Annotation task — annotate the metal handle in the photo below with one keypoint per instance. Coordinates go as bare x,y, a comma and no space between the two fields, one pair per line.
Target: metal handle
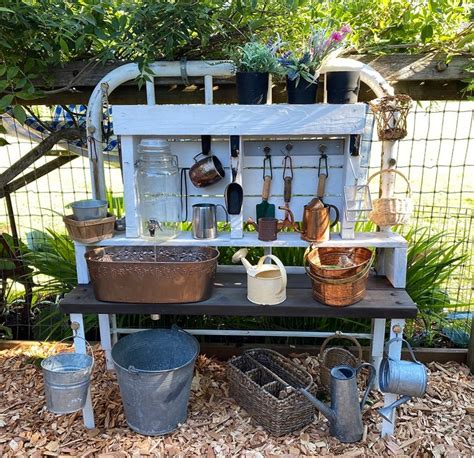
410,349
336,210
88,345
369,383
225,211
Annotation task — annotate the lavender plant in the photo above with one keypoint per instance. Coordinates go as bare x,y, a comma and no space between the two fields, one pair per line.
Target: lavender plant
259,57
306,61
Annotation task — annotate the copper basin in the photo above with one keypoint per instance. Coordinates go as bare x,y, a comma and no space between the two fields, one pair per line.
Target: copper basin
152,275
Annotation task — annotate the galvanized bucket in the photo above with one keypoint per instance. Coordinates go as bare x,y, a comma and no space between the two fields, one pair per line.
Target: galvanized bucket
66,380
408,378
154,372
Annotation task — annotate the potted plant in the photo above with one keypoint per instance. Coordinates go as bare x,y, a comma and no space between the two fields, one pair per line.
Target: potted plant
302,66
255,61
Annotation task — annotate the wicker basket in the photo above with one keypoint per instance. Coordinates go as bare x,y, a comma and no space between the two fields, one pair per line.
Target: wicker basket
391,114
391,211
90,231
338,275
262,381
335,356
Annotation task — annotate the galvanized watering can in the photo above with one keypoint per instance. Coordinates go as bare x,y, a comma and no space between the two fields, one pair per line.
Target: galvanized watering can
66,379
407,378
345,413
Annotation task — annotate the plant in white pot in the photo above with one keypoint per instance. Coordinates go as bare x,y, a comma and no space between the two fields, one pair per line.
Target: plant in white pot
255,61
302,66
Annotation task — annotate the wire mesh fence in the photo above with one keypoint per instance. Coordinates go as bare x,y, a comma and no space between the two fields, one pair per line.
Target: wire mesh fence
437,156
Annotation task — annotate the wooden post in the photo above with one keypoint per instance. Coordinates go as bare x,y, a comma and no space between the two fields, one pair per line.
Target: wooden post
470,350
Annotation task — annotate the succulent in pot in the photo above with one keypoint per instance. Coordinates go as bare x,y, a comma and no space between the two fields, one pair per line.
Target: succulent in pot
302,66
255,61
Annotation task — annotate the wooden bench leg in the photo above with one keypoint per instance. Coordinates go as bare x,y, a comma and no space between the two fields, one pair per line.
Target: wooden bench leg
105,342
80,347
395,352
378,341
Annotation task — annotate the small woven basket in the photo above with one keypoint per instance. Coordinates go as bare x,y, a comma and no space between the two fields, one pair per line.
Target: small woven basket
262,382
391,211
90,231
391,112
333,284
335,356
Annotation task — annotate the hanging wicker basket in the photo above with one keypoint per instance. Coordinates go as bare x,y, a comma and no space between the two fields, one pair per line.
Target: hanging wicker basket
335,356
90,231
391,211
391,112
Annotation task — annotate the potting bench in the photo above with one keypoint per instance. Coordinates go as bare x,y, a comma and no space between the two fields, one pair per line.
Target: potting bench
311,129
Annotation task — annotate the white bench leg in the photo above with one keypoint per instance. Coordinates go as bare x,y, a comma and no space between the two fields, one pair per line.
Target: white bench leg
104,327
395,352
80,347
378,341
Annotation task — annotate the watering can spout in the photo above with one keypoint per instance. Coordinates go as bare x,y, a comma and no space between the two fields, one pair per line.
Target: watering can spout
329,413
387,412
240,256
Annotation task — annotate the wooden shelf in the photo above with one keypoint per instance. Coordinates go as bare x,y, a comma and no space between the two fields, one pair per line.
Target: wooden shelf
278,119
229,299
250,239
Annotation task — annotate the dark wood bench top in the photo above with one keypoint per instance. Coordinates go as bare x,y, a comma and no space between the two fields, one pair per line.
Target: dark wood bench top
230,299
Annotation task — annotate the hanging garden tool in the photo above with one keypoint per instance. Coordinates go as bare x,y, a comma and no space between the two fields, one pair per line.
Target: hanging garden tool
287,183
234,194
264,209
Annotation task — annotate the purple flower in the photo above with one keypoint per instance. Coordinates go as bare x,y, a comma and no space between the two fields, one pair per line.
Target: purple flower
345,29
336,36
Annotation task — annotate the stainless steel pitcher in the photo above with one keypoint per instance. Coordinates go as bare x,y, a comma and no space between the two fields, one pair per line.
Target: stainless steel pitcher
345,413
205,220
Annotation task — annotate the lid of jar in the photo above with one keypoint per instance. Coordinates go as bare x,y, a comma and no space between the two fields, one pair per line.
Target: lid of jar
154,143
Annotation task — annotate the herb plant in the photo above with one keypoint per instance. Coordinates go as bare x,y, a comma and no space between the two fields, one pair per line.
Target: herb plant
307,61
258,57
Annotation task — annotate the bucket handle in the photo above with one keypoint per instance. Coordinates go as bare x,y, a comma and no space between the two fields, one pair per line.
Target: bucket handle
410,349
280,266
75,336
337,281
381,172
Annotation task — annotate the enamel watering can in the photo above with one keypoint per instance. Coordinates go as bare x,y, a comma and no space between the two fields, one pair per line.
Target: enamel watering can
345,413
266,283
407,378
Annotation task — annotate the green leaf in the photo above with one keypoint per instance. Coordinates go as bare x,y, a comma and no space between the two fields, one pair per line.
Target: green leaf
426,32
6,100
12,72
3,141
19,113
63,45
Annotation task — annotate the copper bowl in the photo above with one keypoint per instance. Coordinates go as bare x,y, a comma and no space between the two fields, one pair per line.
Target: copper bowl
152,275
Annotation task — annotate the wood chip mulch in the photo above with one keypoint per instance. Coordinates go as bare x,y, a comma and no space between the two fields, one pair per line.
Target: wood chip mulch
440,424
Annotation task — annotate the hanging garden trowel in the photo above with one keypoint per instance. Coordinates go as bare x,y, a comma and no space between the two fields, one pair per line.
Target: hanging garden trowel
265,209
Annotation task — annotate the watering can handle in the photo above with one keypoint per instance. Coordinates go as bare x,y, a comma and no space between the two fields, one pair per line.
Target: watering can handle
280,266
410,349
370,382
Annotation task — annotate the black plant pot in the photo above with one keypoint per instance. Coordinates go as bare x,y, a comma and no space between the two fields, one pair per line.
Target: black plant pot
252,88
342,87
303,93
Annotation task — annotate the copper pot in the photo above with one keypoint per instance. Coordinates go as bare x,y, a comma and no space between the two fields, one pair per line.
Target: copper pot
316,221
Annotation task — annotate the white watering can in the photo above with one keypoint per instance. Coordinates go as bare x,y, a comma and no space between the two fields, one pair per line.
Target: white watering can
266,283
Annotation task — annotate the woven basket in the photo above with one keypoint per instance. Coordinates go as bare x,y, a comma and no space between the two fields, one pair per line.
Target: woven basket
90,231
335,356
336,285
391,211
261,381
391,113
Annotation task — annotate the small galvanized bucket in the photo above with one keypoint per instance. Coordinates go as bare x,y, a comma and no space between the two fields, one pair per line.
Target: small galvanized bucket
67,379
408,378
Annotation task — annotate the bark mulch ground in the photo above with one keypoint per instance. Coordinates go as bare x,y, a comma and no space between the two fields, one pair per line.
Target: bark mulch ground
440,424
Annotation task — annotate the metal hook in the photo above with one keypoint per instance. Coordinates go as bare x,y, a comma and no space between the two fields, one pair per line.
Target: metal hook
267,160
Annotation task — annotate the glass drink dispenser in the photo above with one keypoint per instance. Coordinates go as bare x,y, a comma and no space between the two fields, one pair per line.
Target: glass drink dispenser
159,199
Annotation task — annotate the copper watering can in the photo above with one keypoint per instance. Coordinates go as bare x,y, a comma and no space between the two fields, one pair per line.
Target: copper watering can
407,378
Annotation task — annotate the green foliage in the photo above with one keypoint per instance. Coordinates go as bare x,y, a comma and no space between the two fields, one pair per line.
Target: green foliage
258,57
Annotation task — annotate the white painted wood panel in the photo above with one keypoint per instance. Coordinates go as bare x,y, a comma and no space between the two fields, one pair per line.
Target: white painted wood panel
279,119
285,239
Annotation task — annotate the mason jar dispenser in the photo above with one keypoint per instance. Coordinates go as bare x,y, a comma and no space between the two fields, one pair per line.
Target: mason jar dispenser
159,199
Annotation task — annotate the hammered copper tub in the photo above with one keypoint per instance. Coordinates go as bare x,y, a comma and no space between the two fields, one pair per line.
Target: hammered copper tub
153,275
